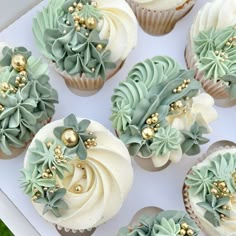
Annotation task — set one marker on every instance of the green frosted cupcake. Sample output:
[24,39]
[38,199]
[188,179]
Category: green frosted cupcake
[159,112]
[26,99]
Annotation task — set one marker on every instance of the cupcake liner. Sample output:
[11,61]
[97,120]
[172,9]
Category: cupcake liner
[71,232]
[156,22]
[217,90]
[220,145]
[84,86]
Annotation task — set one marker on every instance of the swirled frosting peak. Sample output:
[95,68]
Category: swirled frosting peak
[77,173]
[84,36]
[26,97]
[157,113]
[165,223]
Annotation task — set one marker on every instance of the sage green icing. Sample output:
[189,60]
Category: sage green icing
[73,51]
[28,107]
[162,224]
[193,139]
[148,89]
[49,160]
[209,46]
[165,140]
[200,182]
[80,128]
[214,208]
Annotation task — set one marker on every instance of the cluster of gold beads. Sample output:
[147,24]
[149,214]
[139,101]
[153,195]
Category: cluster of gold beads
[51,190]
[78,187]
[152,126]
[59,157]
[184,85]
[91,142]
[220,189]
[231,42]
[2,108]
[47,174]
[185,230]
[36,194]
[21,79]
[6,87]
[179,105]
[223,56]
[70,138]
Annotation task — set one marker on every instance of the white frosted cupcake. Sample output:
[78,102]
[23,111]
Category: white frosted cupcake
[87,41]
[77,173]
[211,49]
[157,17]
[210,191]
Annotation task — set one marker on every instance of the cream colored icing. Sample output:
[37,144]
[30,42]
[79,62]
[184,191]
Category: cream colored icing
[228,227]
[160,4]
[119,26]
[218,14]
[109,178]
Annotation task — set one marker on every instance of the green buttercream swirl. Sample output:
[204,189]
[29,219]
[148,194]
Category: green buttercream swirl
[73,51]
[166,223]
[216,53]
[26,108]
[147,90]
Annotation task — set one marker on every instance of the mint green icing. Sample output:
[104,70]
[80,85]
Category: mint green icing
[200,182]
[74,51]
[165,140]
[214,208]
[150,88]
[165,223]
[50,159]
[216,53]
[26,105]
[214,184]
[193,139]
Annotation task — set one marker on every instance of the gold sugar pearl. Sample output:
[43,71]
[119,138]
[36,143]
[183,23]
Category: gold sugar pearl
[79,188]
[80,6]
[99,47]
[18,62]
[70,138]
[184,225]
[147,133]
[94,4]
[190,232]
[149,121]
[91,23]
[71,9]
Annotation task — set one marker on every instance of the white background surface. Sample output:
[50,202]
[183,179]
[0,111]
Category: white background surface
[161,189]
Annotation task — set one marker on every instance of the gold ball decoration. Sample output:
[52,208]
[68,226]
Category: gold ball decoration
[91,23]
[79,188]
[71,9]
[18,62]
[190,232]
[70,138]
[184,225]
[99,47]
[182,232]
[148,133]
[80,6]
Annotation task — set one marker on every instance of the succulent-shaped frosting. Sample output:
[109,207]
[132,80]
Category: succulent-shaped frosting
[212,185]
[216,50]
[166,223]
[26,98]
[157,109]
[75,35]
[68,174]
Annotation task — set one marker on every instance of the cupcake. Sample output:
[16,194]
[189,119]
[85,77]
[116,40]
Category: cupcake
[210,191]
[77,173]
[27,99]
[160,114]
[158,17]
[211,50]
[87,41]
[152,221]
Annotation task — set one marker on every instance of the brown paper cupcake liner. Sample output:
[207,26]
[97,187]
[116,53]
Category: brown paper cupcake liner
[156,22]
[82,85]
[217,90]
[71,232]
[220,145]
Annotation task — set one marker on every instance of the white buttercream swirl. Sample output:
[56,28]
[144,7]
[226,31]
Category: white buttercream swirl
[119,26]
[227,227]
[108,180]
[160,4]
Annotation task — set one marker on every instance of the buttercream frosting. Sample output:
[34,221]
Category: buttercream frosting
[158,111]
[94,186]
[169,223]
[86,37]
[26,97]
[212,192]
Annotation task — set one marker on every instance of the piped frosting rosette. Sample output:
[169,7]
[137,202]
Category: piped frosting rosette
[86,39]
[77,173]
[211,48]
[159,113]
[27,100]
[210,192]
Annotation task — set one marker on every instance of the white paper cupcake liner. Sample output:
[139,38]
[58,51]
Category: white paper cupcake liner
[156,22]
[220,145]
[84,86]
[217,90]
